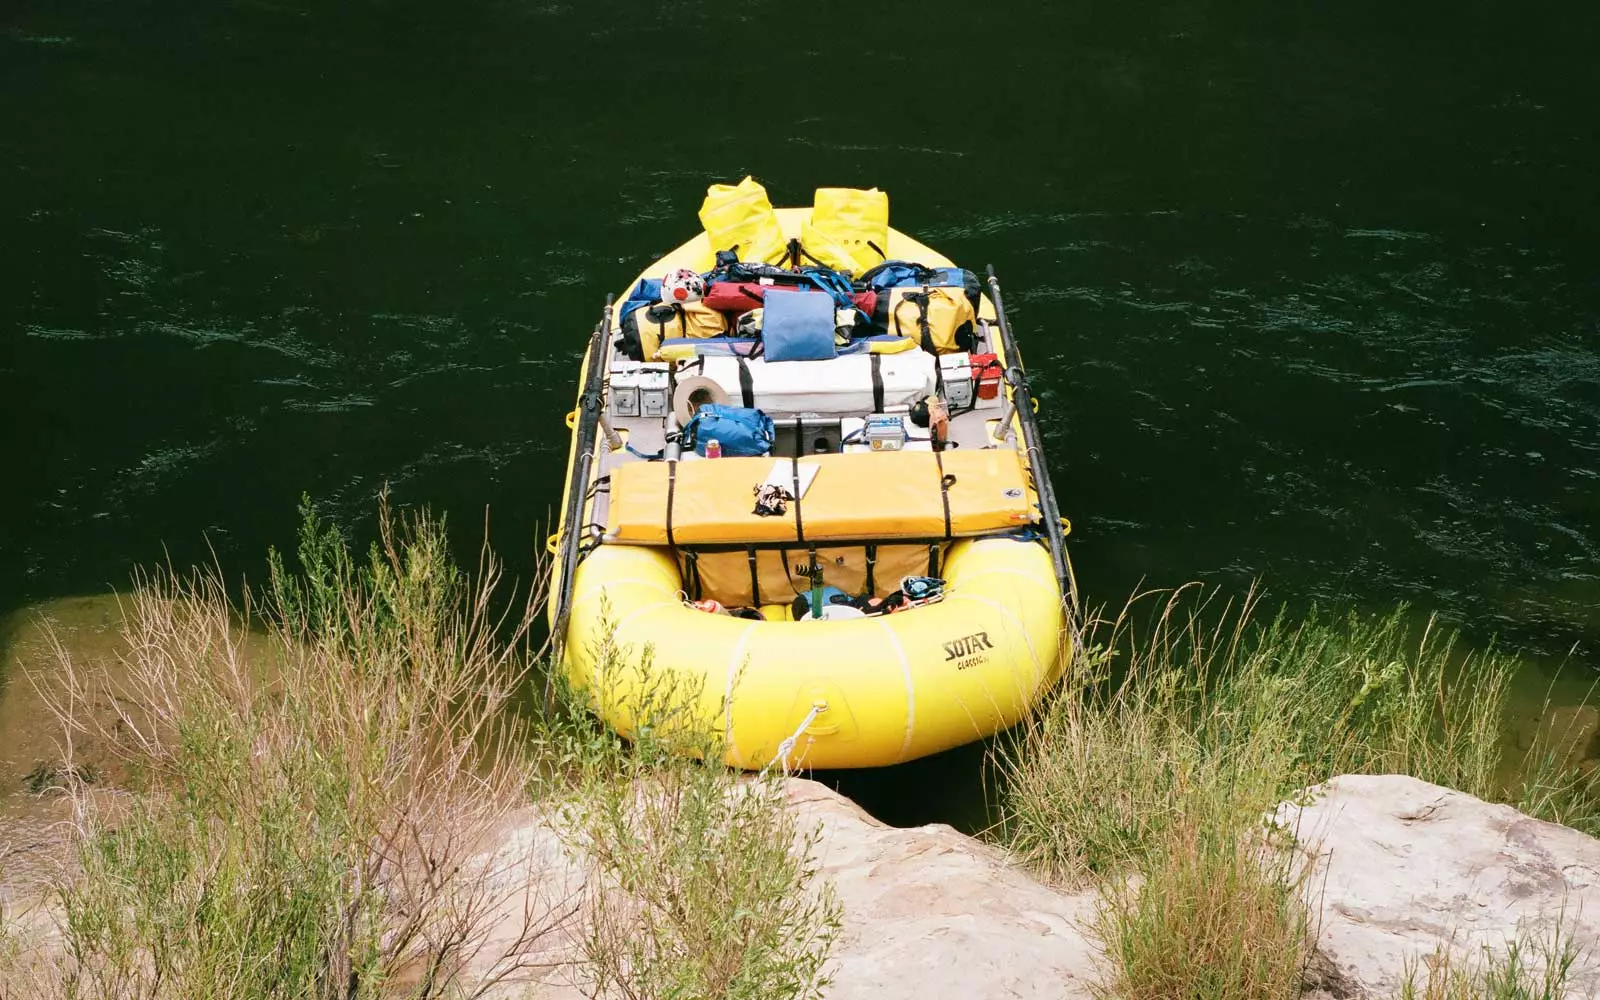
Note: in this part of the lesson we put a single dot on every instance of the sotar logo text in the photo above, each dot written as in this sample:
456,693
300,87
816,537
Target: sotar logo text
967,646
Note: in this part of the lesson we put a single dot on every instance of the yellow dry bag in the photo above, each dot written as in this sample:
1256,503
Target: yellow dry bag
644,329
848,229
938,319
739,217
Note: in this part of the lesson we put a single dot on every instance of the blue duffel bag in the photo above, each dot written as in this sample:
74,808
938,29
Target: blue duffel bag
741,432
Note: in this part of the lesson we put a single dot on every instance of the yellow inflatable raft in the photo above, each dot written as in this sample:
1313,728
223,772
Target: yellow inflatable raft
657,548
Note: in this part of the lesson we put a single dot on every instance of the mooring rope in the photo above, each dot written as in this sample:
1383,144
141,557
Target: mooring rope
787,746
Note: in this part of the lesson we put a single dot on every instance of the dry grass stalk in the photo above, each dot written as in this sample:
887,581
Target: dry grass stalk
316,809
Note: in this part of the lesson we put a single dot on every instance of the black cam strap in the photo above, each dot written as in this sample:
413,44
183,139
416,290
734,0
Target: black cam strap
691,574
755,576
877,383
747,385
672,489
946,480
794,471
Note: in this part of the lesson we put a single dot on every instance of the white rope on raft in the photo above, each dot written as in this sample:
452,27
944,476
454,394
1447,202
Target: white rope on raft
787,746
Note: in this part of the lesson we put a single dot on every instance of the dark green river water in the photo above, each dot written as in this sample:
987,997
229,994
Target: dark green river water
1310,294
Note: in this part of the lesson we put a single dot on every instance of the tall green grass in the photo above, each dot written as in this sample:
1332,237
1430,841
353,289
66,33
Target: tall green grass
1198,694
1530,967
311,814
1189,721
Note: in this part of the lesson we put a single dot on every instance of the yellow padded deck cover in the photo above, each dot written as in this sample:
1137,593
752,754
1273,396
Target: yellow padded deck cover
864,495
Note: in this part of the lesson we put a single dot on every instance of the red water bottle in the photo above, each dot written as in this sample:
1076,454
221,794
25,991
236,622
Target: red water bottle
713,448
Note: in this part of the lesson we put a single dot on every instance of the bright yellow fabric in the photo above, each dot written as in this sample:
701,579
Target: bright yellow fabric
740,217
895,346
865,495
848,229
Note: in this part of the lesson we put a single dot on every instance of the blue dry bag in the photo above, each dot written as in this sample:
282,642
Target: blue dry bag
646,292
741,432
900,273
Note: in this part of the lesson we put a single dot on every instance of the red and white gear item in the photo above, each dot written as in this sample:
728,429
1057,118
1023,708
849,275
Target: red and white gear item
682,286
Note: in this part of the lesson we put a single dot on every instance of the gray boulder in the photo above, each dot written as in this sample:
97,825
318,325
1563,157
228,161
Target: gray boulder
1404,868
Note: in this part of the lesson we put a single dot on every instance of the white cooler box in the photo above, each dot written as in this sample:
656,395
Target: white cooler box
839,386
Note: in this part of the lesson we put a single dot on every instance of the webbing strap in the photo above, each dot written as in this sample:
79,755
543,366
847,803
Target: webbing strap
691,574
755,577
747,385
877,383
672,489
933,560
794,471
872,565
894,320
922,323
926,302
945,482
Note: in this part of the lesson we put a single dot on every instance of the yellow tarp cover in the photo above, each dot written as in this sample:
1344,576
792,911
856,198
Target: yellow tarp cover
865,495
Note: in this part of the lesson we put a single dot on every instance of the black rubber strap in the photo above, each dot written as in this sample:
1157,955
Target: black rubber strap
933,560
794,471
755,576
878,250
672,488
747,384
877,383
872,565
